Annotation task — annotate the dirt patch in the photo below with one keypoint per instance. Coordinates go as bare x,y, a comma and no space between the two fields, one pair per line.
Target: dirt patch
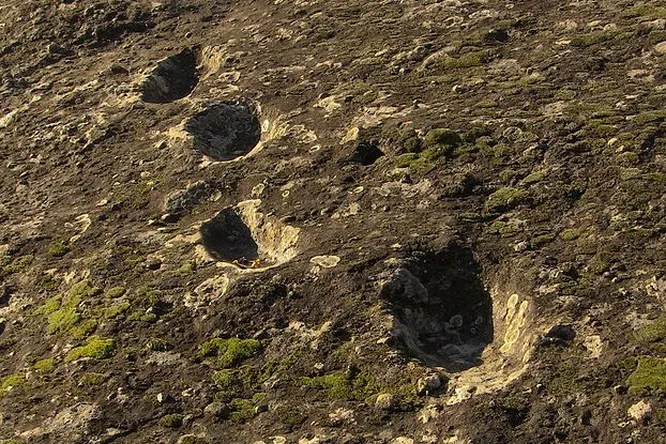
227,130
442,312
173,78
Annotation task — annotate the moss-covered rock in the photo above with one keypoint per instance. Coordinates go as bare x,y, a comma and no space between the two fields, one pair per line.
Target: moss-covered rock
654,331
229,352
95,348
343,385
650,375
84,328
64,318
570,234
18,264
58,248
593,38
187,267
469,60
241,410
44,366
11,382
444,139
63,314
92,379
541,240
172,421
115,310
506,199
115,292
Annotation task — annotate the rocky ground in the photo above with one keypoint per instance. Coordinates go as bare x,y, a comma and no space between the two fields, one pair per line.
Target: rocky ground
332,221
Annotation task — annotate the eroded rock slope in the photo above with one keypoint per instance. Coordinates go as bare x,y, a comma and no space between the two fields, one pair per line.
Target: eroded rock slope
332,221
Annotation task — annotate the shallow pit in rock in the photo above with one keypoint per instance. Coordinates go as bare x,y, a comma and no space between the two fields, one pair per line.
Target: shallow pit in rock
5,295
442,312
173,78
227,130
228,239
245,237
365,153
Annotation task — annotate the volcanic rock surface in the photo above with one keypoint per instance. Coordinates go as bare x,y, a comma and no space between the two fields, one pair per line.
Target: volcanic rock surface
393,222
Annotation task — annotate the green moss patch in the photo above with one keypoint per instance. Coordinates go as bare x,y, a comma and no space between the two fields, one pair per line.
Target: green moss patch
115,292
84,289
649,117
236,383
228,381
535,177
540,241
469,60
438,145
45,365
593,38
18,265
229,352
84,328
570,234
645,11
405,160
172,421
476,132
63,319
421,163
443,138
62,311
506,199
95,348
245,381
343,385
115,310
187,267
11,382
65,314
242,410
650,374
654,331
148,296
58,248
92,379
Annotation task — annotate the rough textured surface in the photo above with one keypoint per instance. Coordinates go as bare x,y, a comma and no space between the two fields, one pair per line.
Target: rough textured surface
446,221
225,131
